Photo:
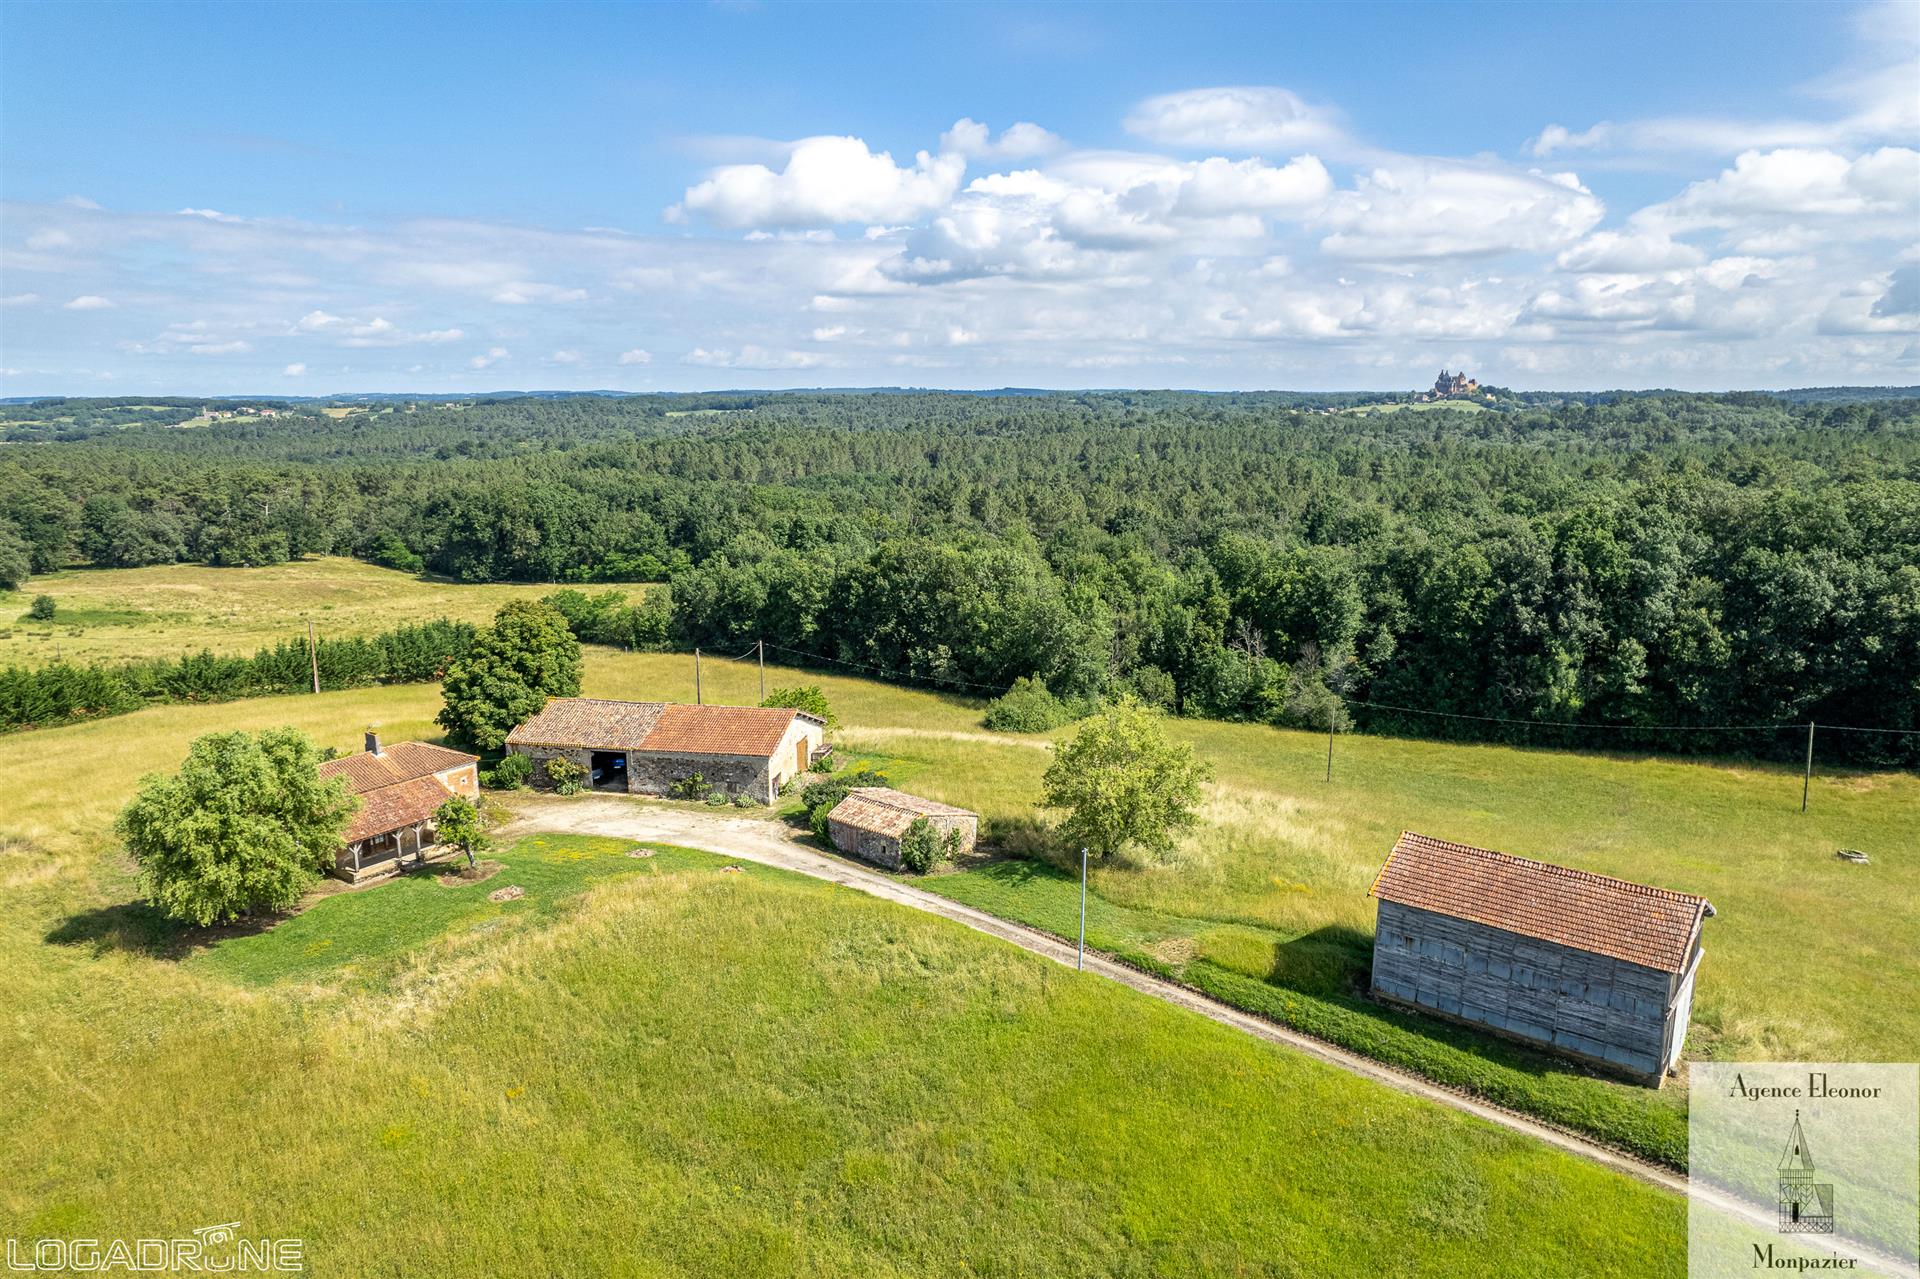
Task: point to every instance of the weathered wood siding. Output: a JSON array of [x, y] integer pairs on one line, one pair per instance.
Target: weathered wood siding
[[1604, 1010]]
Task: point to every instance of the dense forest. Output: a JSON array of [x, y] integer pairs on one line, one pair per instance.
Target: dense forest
[[1651, 561]]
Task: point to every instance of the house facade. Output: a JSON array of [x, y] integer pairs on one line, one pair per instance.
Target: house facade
[[871, 820], [399, 787], [1598, 969], [646, 748]]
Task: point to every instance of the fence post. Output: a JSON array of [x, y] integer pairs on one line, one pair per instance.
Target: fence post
[[313, 655], [762, 646], [1330, 723], [1806, 783], [696, 676]]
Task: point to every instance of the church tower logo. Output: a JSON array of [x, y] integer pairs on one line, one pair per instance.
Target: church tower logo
[[1806, 1206]]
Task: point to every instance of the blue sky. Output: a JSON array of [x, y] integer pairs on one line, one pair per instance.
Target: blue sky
[[304, 200]]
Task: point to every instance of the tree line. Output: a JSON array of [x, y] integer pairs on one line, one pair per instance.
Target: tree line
[[63, 692], [1655, 561]]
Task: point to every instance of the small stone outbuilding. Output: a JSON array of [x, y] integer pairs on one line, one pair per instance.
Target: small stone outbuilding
[[1595, 968], [870, 821], [399, 787], [646, 748]]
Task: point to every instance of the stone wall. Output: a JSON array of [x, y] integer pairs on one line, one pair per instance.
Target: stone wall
[[867, 845], [1601, 1010], [654, 772]]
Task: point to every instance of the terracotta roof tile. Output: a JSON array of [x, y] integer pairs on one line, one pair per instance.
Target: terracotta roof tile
[[400, 762], [1642, 925], [588, 723], [886, 811], [719, 730], [392, 807]]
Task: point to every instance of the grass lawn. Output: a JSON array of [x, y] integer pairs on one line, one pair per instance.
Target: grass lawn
[[123, 613], [1265, 904], [678, 1071]]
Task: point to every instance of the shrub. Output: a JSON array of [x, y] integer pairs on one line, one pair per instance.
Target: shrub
[[919, 847], [41, 610], [817, 822], [565, 775], [1122, 781], [717, 800], [511, 773], [462, 824], [692, 787], [744, 800], [803, 697], [1028, 707]]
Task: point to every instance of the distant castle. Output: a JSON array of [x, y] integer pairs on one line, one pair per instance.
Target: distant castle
[[1454, 384]]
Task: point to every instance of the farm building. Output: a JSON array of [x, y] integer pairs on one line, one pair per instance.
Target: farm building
[[399, 788], [644, 748], [870, 821], [1596, 968]]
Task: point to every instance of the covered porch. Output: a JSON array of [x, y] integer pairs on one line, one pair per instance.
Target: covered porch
[[389, 853]]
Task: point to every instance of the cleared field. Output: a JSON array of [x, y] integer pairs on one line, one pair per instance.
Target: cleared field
[[123, 613], [738, 1072]]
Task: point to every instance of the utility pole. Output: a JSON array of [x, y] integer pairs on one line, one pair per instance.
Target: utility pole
[[696, 675], [1081, 963], [313, 655], [1330, 745], [762, 645], [1806, 783]]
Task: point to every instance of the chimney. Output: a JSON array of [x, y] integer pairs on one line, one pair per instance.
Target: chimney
[[373, 741]]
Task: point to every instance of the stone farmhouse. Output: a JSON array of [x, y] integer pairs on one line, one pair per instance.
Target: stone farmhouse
[[1595, 968], [644, 748], [399, 787], [870, 821]]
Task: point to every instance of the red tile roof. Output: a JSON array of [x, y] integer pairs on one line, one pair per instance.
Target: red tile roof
[[393, 807], [587, 723], [886, 811], [400, 762], [1653, 927], [719, 730], [397, 787]]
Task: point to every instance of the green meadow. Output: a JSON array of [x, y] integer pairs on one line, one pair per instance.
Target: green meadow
[[752, 1072]]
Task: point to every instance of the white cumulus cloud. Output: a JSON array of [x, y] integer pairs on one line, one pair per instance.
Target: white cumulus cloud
[[1414, 209], [1243, 118], [88, 302], [636, 356], [827, 180]]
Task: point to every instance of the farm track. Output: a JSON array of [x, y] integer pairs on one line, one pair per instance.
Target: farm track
[[770, 843]]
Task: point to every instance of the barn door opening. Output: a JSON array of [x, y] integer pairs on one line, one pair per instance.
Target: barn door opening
[[609, 770], [800, 760]]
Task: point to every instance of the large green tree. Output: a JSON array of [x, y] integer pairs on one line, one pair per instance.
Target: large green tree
[[1123, 782], [527, 656], [246, 825]]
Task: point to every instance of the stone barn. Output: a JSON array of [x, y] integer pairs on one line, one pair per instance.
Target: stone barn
[[1595, 968], [645, 748], [399, 787], [869, 822]]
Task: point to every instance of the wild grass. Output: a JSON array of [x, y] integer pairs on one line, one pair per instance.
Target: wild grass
[[678, 1036], [124, 613], [695, 1073]]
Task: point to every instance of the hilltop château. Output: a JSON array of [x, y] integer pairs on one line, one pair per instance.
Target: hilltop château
[[1448, 384]]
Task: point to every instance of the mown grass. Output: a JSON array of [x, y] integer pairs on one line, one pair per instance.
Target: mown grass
[[687, 1072], [125, 613], [363, 935]]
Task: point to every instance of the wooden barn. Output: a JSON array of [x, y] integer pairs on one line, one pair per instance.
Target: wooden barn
[[645, 748], [1596, 968], [869, 822], [399, 787]]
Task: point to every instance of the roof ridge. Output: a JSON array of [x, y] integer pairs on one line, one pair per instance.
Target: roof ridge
[[1569, 872]]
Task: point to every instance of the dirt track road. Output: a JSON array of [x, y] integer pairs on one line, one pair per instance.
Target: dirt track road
[[772, 844]]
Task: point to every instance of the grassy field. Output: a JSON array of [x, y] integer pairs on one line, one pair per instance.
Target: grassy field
[[653, 1067], [409, 1005], [122, 613]]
